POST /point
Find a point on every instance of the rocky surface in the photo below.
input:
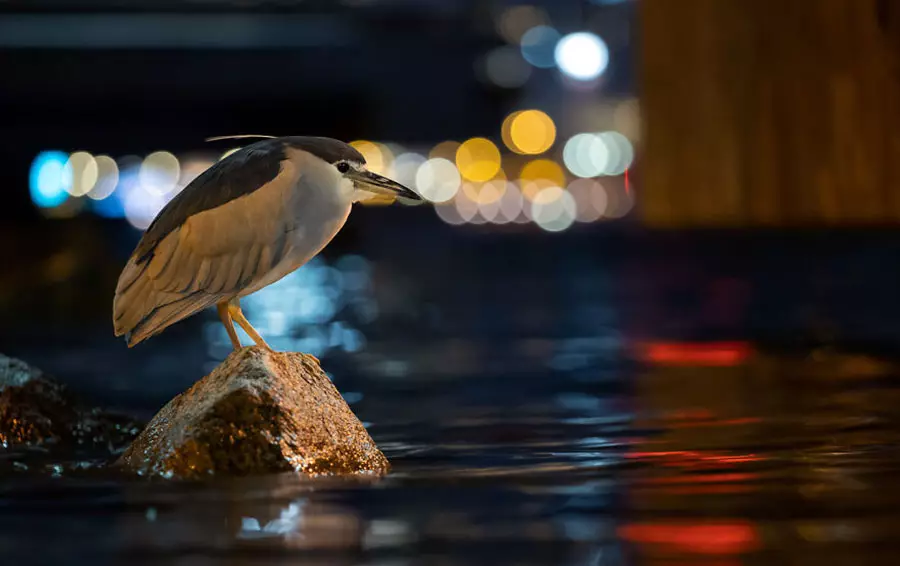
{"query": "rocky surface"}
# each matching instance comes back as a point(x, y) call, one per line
point(36, 410)
point(259, 412)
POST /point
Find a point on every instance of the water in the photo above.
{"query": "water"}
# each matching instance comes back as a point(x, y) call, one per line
point(573, 408)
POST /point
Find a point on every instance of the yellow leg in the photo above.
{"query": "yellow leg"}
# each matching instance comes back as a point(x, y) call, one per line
point(225, 315)
point(234, 309)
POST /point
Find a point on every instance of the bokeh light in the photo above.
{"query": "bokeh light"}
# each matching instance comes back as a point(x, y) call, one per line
point(627, 119)
point(484, 193)
point(620, 201)
point(445, 149)
point(582, 56)
point(506, 130)
point(538, 45)
point(478, 159)
point(489, 196)
point(405, 166)
point(516, 20)
point(47, 182)
point(159, 173)
point(140, 205)
point(378, 157)
point(448, 213)
point(192, 168)
point(590, 199)
point(621, 152)
point(553, 209)
point(538, 174)
point(80, 174)
point(592, 155)
point(505, 67)
point(510, 205)
point(529, 132)
point(107, 178)
point(466, 207)
point(438, 180)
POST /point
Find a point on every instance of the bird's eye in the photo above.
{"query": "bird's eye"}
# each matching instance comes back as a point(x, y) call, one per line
point(343, 166)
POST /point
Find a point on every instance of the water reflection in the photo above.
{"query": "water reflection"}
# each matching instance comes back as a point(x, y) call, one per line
point(315, 309)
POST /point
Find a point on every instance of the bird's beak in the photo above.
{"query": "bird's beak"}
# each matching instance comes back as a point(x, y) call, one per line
point(375, 183)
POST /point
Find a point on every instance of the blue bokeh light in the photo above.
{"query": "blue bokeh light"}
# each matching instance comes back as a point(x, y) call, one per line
point(48, 179)
point(538, 45)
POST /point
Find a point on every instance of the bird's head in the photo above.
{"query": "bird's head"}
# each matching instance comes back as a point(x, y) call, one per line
point(351, 165)
point(365, 181)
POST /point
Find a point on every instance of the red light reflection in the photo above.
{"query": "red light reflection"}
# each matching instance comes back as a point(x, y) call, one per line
point(733, 537)
point(715, 354)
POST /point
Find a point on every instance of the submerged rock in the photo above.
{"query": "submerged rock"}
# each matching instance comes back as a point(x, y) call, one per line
point(259, 412)
point(35, 409)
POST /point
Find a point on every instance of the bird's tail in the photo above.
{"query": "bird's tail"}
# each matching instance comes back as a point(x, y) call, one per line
point(140, 311)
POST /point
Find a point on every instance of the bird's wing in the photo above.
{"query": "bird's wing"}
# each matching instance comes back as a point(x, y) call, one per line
point(209, 258)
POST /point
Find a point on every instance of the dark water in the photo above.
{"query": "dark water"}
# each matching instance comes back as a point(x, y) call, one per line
point(603, 400)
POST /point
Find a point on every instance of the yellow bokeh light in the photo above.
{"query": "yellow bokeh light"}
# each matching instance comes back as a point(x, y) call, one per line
point(478, 159)
point(529, 132)
point(444, 150)
point(378, 158)
point(506, 131)
point(539, 174)
point(543, 170)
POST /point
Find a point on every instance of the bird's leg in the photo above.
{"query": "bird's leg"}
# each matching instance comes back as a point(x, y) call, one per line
point(234, 309)
point(225, 315)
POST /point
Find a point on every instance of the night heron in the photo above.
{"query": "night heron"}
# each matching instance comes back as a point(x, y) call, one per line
point(244, 223)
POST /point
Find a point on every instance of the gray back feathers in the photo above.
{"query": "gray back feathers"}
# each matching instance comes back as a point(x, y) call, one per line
point(237, 175)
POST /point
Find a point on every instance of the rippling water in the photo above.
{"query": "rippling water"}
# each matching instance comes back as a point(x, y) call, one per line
point(532, 416)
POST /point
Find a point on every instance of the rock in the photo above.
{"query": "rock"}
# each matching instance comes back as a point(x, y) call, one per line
point(35, 409)
point(259, 412)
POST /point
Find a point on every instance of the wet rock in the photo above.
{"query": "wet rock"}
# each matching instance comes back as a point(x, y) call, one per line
point(259, 412)
point(35, 409)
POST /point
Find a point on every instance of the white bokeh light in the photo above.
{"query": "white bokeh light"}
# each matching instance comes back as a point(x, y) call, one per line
point(586, 155)
point(159, 173)
point(438, 180)
point(582, 56)
point(553, 209)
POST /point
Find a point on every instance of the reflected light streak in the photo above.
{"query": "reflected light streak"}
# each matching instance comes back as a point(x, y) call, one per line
point(713, 354)
point(726, 537)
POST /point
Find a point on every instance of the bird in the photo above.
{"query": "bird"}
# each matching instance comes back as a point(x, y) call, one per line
point(247, 221)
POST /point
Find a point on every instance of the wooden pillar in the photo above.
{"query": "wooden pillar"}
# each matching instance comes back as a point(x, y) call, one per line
point(770, 112)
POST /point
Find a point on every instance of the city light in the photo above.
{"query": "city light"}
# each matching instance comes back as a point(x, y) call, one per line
point(466, 183)
point(107, 178)
point(378, 157)
point(528, 132)
point(80, 173)
point(553, 209)
point(159, 173)
point(47, 179)
point(538, 45)
point(438, 180)
point(478, 159)
point(582, 56)
point(595, 154)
